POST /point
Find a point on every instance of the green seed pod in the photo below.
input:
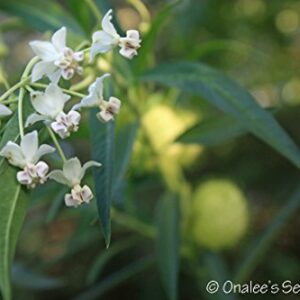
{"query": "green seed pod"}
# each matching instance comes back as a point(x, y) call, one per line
point(220, 214)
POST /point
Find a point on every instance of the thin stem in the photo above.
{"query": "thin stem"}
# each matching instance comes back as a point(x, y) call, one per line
point(29, 89)
point(14, 88)
point(20, 111)
point(73, 93)
point(10, 101)
point(25, 74)
point(56, 143)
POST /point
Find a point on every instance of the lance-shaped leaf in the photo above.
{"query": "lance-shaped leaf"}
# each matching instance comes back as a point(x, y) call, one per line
point(13, 206)
point(102, 140)
point(168, 244)
point(213, 131)
point(229, 97)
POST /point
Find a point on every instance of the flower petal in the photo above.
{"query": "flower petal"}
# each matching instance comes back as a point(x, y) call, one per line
point(41, 169)
point(102, 43)
point(59, 177)
point(44, 50)
point(133, 35)
point(51, 102)
point(55, 76)
point(128, 52)
point(70, 201)
point(59, 39)
point(105, 116)
point(4, 111)
point(114, 105)
point(42, 150)
point(29, 146)
point(14, 155)
point(86, 194)
point(95, 95)
point(33, 118)
point(41, 69)
point(24, 177)
point(87, 165)
point(107, 25)
point(72, 170)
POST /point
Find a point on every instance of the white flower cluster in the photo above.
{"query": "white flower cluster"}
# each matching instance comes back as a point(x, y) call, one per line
point(55, 61)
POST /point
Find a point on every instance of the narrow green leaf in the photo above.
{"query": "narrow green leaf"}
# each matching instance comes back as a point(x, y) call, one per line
point(262, 244)
point(42, 15)
point(229, 97)
point(103, 259)
point(115, 279)
point(102, 140)
point(168, 244)
point(149, 39)
point(81, 13)
point(124, 146)
point(213, 131)
point(13, 206)
point(218, 271)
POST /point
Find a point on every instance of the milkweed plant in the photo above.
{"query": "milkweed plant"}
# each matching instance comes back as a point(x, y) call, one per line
point(48, 105)
point(56, 61)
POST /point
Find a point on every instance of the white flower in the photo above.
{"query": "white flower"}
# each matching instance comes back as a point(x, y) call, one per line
point(109, 109)
point(71, 175)
point(4, 111)
point(26, 157)
point(108, 38)
point(56, 58)
point(66, 123)
point(50, 105)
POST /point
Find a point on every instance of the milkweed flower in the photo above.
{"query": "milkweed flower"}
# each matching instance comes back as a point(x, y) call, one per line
point(50, 105)
point(108, 109)
point(106, 39)
point(27, 157)
point(4, 111)
point(72, 175)
point(56, 58)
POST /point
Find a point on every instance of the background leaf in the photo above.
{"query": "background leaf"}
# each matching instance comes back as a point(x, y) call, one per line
point(124, 147)
point(102, 140)
point(43, 15)
point(116, 278)
point(261, 244)
point(229, 97)
point(215, 130)
point(150, 37)
point(28, 279)
point(168, 244)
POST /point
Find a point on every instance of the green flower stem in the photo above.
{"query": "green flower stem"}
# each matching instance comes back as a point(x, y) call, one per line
point(56, 143)
point(14, 88)
point(29, 89)
point(10, 101)
point(24, 76)
point(73, 93)
point(20, 111)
